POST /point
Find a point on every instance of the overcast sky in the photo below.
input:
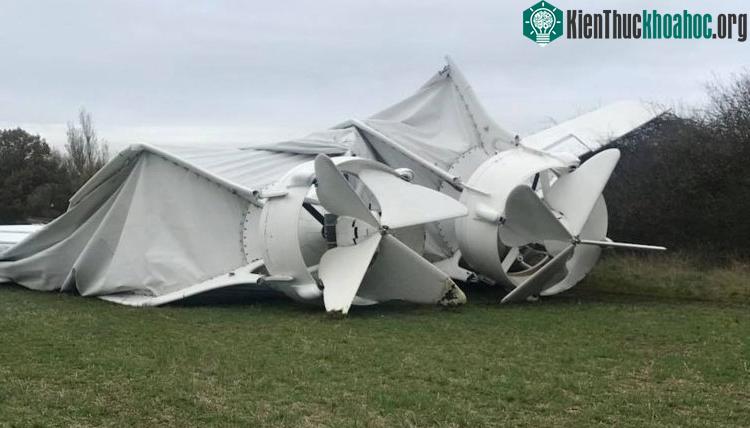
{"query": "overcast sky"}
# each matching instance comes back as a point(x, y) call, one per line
point(239, 72)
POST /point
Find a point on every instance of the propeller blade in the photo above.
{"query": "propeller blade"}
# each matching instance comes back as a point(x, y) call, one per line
point(550, 273)
point(584, 257)
point(405, 204)
point(527, 219)
point(336, 194)
point(575, 194)
point(342, 269)
point(399, 273)
point(579, 265)
point(622, 245)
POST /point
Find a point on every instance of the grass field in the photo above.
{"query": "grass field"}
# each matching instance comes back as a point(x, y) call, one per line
point(590, 357)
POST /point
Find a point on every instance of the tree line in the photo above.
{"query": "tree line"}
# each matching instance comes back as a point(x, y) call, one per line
point(36, 180)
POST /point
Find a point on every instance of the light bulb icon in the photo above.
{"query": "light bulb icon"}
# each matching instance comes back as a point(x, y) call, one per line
point(542, 22)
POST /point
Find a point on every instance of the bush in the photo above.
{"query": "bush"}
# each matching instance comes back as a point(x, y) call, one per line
point(684, 181)
point(34, 183)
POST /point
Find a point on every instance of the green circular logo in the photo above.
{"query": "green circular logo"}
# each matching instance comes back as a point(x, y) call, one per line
point(542, 23)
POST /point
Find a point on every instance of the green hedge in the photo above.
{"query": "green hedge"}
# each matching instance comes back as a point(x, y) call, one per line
point(685, 182)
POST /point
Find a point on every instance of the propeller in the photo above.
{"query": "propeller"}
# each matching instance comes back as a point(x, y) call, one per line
point(558, 220)
point(368, 260)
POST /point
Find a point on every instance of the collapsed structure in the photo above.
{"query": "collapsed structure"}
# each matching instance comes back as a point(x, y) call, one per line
point(394, 206)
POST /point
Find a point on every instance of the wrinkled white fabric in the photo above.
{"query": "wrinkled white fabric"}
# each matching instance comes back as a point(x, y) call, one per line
point(151, 229)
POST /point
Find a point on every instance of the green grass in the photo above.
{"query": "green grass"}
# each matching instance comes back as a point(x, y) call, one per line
point(674, 276)
point(586, 358)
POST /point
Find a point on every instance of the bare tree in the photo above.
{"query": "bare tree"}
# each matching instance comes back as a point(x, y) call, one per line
point(86, 152)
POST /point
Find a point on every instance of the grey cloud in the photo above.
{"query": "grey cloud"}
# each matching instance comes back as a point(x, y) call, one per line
point(161, 70)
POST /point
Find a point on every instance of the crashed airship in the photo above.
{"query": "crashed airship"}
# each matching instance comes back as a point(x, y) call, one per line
point(399, 206)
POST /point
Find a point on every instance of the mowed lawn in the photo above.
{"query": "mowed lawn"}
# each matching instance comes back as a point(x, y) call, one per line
point(590, 357)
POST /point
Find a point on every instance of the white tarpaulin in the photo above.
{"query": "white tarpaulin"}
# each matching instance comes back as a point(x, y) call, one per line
point(148, 225)
point(153, 228)
point(441, 121)
point(12, 235)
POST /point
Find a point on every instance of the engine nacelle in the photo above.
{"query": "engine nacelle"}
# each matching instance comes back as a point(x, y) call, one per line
point(480, 234)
